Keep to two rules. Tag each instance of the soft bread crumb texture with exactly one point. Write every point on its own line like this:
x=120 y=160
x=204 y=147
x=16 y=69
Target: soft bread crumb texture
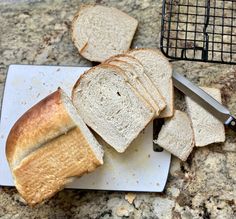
x=110 y=106
x=142 y=77
x=207 y=129
x=132 y=77
x=159 y=70
x=176 y=135
x=100 y=32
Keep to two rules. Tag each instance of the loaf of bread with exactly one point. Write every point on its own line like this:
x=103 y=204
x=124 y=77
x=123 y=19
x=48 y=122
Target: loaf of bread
x=100 y=32
x=49 y=146
x=207 y=129
x=176 y=135
x=110 y=106
x=159 y=70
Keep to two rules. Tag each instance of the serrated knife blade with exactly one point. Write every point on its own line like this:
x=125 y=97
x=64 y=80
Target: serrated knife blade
x=204 y=100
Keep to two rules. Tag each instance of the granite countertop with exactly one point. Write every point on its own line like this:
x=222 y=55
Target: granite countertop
x=37 y=32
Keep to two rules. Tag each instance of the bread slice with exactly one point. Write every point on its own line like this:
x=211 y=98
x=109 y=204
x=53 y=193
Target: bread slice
x=110 y=106
x=100 y=32
x=135 y=83
x=207 y=129
x=159 y=70
x=143 y=78
x=176 y=135
x=48 y=146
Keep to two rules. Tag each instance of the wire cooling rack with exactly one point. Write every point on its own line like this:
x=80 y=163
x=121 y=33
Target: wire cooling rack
x=199 y=30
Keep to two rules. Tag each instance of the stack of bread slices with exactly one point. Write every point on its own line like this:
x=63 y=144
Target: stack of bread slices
x=119 y=97
x=52 y=142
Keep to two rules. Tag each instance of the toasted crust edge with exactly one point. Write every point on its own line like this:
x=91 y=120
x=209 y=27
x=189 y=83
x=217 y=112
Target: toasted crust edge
x=73 y=25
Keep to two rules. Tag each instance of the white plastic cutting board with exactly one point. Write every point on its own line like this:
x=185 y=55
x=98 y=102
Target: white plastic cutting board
x=138 y=169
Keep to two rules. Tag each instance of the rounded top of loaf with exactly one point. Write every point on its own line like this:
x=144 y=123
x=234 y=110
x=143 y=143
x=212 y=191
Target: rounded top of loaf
x=36 y=126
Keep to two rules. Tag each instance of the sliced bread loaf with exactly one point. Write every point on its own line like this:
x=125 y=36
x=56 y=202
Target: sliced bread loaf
x=159 y=70
x=143 y=78
x=176 y=135
x=207 y=129
x=48 y=146
x=100 y=32
x=110 y=106
x=132 y=77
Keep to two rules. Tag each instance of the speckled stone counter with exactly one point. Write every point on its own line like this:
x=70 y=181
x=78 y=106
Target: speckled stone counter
x=37 y=32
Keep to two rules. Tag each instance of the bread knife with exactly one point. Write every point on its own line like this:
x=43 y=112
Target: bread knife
x=205 y=100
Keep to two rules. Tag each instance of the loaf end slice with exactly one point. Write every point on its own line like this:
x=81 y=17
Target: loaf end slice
x=176 y=135
x=100 y=32
x=207 y=128
x=43 y=163
x=110 y=106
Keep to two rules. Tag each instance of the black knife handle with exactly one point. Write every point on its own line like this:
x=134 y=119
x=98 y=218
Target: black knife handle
x=231 y=123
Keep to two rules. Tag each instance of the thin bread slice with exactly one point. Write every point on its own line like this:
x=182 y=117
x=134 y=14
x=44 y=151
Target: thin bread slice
x=207 y=129
x=159 y=70
x=100 y=32
x=176 y=135
x=132 y=77
x=143 y=78
x=48 y=146
x=110 y=106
